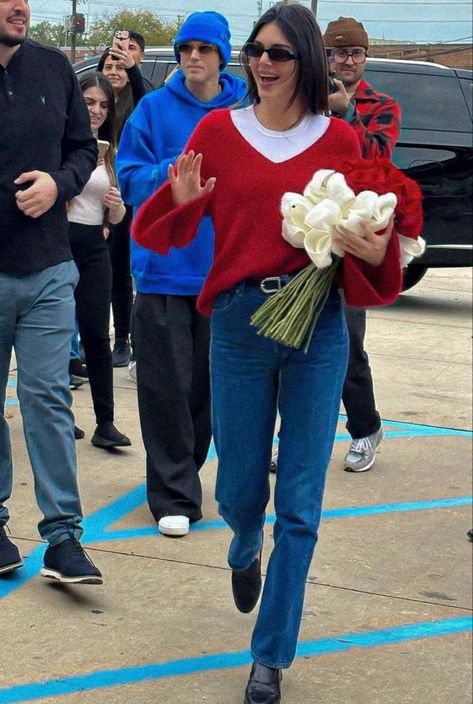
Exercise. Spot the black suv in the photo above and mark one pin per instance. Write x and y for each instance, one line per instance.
(435, 147)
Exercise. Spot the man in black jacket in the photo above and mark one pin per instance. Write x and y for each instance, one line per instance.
(47, 153)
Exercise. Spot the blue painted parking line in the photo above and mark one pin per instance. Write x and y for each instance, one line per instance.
(97, 527)
(102, 679)
(348, 512)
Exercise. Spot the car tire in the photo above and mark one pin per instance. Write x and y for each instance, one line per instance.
(412, 274)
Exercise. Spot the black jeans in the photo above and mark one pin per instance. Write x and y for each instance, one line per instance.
(358, 393)
(92, 295)
(122, 285)
(172, 369)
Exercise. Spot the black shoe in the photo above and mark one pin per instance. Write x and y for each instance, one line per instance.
(469, 535)
(246, 586)
(10, 558)
(264, 685)
(107, 436)
(121, 352)
(76, 368)
(68, 563)
(78, 433)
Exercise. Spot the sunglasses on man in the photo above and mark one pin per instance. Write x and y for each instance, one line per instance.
(204, 49)
(255, 50)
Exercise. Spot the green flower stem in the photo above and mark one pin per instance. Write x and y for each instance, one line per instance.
(290, 315)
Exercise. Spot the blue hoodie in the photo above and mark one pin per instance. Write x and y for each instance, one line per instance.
(153, 137)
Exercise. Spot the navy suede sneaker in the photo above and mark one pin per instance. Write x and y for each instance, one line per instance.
(68, 563)
(10, 558)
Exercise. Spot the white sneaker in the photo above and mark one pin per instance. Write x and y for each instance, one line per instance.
(363, 453)
(132, 372)
(177, 526)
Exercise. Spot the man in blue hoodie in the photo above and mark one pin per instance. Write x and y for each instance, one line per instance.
(171, 338)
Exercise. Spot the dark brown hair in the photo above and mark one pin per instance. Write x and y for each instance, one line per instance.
(108, 130)
(303, 34)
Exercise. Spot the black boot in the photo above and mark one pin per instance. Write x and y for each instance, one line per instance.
(121, 352)
(264, 685)
(107, 436)
(246, 586)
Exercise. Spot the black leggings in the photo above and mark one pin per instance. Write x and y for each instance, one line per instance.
(93, 294)
(122, 286)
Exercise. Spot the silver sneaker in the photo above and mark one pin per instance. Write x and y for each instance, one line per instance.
(132, 372)
(363, 453)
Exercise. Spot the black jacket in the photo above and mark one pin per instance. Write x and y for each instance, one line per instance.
(45, 126)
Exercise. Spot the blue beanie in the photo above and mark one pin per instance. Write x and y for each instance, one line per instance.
(211, 27)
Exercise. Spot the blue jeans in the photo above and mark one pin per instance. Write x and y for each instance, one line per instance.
(37, 319)
(251, 376)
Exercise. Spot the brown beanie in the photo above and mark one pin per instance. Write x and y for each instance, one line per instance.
(345, 31)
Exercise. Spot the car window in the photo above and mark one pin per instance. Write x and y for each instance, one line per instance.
(414, 91)
(442, 172)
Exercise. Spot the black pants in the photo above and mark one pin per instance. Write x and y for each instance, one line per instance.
(122, 285)
(172, 369)
(92, 295)
(358, 392)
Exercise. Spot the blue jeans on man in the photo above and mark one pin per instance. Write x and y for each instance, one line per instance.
(37, 321)
(252, 377)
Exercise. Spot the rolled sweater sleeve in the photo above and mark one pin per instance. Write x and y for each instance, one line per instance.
(366, 286)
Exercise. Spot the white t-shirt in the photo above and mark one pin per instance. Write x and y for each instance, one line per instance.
(88, 207)
(279, 146)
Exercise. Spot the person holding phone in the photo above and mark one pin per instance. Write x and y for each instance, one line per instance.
(375, 118)
(120, 67)
(89, 214)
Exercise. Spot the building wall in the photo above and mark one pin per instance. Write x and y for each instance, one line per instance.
(452, 55)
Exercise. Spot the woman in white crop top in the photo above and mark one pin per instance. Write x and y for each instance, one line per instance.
(89, 214)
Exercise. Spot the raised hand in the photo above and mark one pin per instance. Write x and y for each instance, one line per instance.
(186, 180)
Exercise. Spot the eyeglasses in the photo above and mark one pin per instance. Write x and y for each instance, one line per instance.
(340, 56)
(255, 50)
(204, 49)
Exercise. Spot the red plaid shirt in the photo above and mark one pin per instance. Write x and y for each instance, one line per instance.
(376, 121)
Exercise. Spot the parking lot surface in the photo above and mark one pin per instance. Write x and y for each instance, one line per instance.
(387, 617)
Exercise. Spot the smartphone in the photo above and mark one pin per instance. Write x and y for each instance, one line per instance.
(121, 39)
(103, 146)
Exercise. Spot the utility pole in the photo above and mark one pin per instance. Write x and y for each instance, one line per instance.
(313, 7)
(73, 31)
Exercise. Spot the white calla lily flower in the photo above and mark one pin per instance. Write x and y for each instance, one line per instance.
(338, 190)
(295, 207)
(316, 189)
(384, 208)
(318, 245)
(364, 204)
(293, 234)
(323, 215)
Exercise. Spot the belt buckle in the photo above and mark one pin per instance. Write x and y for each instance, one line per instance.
(274, 283)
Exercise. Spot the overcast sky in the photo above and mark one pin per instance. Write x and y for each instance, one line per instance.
(438, 21)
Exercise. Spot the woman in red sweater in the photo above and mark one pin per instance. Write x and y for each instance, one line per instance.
(238, 165)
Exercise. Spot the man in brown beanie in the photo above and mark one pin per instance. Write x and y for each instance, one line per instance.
(375, 117)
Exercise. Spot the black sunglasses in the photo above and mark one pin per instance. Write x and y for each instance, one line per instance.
(204, 49)
(255, 50)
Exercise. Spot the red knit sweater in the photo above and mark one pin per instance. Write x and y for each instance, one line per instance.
(245, 209)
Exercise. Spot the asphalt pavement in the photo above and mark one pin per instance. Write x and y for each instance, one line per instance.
(387, 617)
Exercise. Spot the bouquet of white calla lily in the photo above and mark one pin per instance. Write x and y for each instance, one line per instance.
(310, 221)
